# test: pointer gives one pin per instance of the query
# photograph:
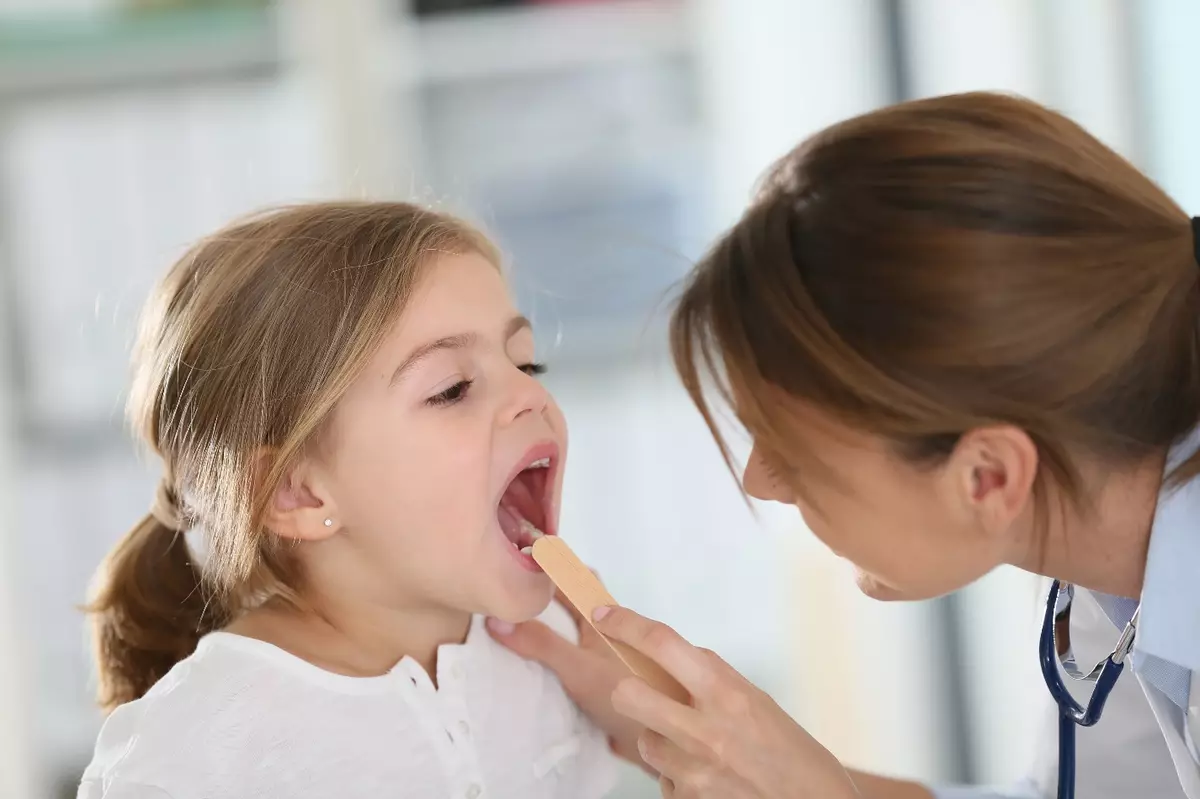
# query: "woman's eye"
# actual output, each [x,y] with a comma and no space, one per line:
[533,369]
[777,471]
[451,395]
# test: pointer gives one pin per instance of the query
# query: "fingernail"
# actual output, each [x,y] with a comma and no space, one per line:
[642,748]
[500,627]
[599,613]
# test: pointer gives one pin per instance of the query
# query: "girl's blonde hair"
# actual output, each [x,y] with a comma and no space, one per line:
[242,353]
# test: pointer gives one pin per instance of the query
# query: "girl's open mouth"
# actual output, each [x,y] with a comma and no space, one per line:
[524,510]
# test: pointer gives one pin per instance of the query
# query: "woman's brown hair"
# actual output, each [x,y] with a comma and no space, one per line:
[243,351]
[949,263]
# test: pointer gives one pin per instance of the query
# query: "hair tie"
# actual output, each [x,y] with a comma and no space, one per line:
[165,508]
[1196,238]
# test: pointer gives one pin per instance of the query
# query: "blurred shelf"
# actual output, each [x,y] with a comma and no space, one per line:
[510,41]
[66,54]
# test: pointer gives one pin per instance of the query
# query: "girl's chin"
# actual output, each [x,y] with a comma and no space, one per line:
[525,603]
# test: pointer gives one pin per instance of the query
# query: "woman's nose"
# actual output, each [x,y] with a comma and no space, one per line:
[761,481]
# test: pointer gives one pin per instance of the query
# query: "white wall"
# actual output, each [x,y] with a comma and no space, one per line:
[17,777]
[1170,68]
[777,71]
[1092,76]
[958,46]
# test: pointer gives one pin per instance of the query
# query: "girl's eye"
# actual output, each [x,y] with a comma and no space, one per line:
[454,394]
[533,369]
[458,391]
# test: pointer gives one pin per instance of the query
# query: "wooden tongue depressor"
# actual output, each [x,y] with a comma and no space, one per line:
[587,593]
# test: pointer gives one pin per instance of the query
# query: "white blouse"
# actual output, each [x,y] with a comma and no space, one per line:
[242,718]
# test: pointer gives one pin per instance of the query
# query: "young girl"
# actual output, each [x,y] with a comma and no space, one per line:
[356,449]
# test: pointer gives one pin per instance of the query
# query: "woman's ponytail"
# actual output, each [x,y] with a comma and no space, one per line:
[1188,469]
[150,607]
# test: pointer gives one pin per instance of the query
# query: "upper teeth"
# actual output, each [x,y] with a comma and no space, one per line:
[544,463]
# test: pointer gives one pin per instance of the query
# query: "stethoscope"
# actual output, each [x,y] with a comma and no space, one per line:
[1104,675]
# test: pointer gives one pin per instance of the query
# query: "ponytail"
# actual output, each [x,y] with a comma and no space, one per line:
[149,611]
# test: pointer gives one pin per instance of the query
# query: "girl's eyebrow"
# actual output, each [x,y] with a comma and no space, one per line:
[456,342]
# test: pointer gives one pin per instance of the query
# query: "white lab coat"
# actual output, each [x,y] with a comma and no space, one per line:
[1125,756]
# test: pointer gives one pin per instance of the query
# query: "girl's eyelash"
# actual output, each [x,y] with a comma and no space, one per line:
[454,394]
[458,391]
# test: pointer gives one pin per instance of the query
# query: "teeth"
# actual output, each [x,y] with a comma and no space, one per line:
[527,550]
[530,530]
[544,463]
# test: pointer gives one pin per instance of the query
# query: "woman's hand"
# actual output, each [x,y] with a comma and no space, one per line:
[589,672]
[733,742]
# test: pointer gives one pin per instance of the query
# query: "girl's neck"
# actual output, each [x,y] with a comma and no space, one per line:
[356,640]
[1103,546]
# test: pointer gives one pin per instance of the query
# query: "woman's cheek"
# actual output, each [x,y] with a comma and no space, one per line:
[826,527]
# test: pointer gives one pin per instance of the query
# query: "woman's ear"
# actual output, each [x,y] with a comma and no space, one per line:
[994,469]
[301,507]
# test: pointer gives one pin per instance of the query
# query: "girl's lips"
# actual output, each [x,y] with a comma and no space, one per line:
[526,561]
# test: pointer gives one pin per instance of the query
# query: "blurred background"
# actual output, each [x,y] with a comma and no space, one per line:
[604,144]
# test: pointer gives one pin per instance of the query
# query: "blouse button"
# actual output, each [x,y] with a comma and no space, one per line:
[474,792]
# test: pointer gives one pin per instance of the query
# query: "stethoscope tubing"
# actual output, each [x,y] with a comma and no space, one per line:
[1070,713]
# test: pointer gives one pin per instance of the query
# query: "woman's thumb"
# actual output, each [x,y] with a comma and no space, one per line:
[535,641]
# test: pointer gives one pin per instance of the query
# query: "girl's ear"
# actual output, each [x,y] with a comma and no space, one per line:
[301,507]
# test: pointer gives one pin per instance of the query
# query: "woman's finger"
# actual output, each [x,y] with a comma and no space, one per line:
[682,724]
[569,606]
[687,664]
[535,641]
[671,762]
[682,776]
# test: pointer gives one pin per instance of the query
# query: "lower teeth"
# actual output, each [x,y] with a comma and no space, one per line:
[531,533]
[529,529]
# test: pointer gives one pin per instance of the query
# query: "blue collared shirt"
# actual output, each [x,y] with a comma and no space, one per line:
[1166,652]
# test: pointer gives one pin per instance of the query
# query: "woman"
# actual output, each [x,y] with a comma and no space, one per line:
[962,332]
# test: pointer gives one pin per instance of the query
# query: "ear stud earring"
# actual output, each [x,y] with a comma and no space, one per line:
[329,522]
